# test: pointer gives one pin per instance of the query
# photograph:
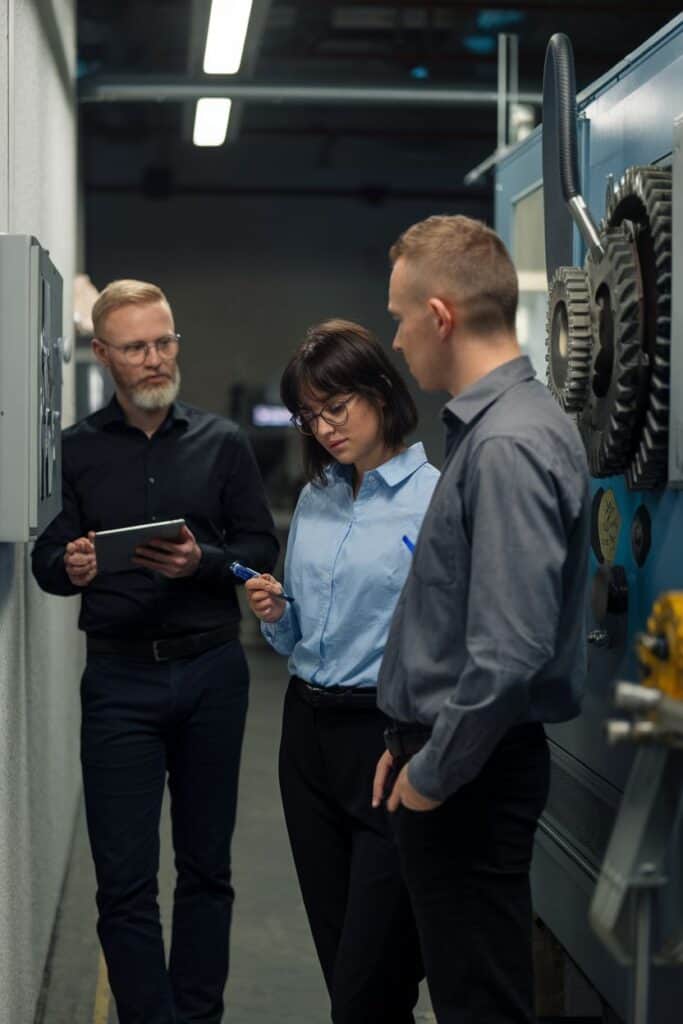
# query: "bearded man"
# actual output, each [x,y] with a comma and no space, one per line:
[164,692]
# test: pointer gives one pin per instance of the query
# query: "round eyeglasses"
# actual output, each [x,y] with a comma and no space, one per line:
[136,352]
[334,413]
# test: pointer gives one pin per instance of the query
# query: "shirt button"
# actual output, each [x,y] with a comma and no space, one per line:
[151,479]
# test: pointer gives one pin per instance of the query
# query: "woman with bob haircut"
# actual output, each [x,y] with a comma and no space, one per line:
[345,565]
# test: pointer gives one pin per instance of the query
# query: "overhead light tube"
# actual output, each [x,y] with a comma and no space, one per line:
[228,24]
[211,119]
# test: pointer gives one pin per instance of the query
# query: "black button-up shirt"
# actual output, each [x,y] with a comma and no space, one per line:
[196,466]
[489,630]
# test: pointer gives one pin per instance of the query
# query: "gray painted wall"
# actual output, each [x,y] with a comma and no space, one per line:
[40,651]
[246,275]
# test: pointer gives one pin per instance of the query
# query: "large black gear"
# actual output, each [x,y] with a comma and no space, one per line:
[569,338]
[643,199]
[619,372]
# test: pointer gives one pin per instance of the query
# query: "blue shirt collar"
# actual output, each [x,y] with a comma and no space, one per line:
[393,472]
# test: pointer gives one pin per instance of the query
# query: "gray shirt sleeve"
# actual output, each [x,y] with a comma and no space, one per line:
[518,526]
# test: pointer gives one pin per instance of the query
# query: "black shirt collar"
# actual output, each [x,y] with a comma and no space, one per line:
[112,413]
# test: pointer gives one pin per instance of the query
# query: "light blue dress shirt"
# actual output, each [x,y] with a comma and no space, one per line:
[345,566]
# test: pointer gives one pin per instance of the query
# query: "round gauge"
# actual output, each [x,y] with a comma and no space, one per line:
[605,525]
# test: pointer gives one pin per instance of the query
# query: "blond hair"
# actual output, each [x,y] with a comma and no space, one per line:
[123,293]
[470,261]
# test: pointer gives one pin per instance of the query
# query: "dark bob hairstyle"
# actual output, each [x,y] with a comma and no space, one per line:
[339,357]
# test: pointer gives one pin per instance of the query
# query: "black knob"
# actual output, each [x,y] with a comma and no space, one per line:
[609,594]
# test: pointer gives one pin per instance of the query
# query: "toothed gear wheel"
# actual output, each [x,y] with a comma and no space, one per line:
[643,198]
[569,338]
[619,373]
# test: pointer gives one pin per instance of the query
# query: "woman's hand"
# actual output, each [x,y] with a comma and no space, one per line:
[262,594]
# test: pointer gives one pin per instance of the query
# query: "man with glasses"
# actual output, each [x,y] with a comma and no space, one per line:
[165,684]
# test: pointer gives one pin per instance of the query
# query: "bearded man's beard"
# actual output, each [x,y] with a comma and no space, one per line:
[157,396]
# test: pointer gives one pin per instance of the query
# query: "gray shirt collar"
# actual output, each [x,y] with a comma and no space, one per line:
[484,392]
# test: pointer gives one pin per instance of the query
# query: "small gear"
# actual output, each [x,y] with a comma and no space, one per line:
[569,338]
[619,370]
[643,199]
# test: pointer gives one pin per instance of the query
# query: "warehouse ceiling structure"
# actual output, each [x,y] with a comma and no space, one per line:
[342,97]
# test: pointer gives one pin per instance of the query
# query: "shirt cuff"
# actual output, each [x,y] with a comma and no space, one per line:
[281,635]
[212,562]
[423,775]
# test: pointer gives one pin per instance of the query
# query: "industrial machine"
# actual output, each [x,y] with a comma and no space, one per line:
[591,207]
[31,354]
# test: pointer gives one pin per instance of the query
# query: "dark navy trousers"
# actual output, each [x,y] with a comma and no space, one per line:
[347,862]
[144,722]
[466,865]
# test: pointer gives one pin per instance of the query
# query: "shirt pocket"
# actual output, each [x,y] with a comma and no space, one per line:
[438,559]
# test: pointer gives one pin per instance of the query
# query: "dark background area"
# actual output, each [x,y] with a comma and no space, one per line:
[290,221]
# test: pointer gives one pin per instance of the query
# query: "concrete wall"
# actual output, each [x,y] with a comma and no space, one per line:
[40,651]
[247,274]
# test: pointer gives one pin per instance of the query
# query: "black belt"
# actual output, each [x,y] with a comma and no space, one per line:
[403,739]
[164,649]
[351,697]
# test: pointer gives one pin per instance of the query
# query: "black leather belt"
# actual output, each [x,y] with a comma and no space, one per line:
[351,697]
[403,739]
[165,649]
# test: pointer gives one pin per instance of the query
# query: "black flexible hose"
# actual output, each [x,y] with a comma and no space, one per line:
[559,101]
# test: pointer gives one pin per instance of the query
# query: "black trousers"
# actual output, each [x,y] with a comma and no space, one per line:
[347,862]
[466,865]
[142,721]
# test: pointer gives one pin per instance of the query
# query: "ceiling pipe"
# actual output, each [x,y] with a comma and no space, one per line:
[148,88]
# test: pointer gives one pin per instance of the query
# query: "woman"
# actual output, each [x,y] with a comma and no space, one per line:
[345,566]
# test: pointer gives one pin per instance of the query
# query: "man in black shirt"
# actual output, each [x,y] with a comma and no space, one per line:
[166,681]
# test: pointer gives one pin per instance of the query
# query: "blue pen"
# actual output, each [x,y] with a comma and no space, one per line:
[408,543]
[244,573]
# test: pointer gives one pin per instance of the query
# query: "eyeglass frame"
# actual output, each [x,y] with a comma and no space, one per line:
[312,417]
[147,346]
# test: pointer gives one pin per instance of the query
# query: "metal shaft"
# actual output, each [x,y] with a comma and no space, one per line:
[641,968]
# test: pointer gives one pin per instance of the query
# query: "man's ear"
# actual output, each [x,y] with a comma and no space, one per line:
[100,352]
[444,316]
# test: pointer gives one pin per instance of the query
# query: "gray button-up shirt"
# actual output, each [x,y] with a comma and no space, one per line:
[489,630]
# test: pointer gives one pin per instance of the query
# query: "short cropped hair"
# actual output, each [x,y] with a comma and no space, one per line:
[470,261]
[123,293]
[338,357]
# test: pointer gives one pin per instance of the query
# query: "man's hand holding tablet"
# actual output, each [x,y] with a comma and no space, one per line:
[168,548]
[171,558]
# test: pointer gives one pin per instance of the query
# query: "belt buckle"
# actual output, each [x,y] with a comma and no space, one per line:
[314,695]
[155,651]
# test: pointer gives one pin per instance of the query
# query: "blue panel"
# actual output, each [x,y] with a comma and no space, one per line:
[626,119]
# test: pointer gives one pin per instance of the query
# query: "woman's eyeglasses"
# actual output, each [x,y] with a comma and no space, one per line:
[135,352]
[334,413]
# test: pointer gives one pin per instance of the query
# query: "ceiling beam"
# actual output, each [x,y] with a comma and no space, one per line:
[139,88]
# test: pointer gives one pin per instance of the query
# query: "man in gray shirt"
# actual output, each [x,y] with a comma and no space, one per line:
[487,641]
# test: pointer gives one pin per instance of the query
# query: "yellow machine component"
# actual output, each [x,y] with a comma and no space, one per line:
[660,650]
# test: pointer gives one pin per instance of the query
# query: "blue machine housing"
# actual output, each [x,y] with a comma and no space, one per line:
[625,119]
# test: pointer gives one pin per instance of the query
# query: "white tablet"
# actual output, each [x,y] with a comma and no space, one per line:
[114,549]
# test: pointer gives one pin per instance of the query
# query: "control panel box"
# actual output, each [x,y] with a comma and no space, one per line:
[31,348]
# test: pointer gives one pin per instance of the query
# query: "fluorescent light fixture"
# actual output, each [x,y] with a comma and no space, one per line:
[228,23]
[211,121]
